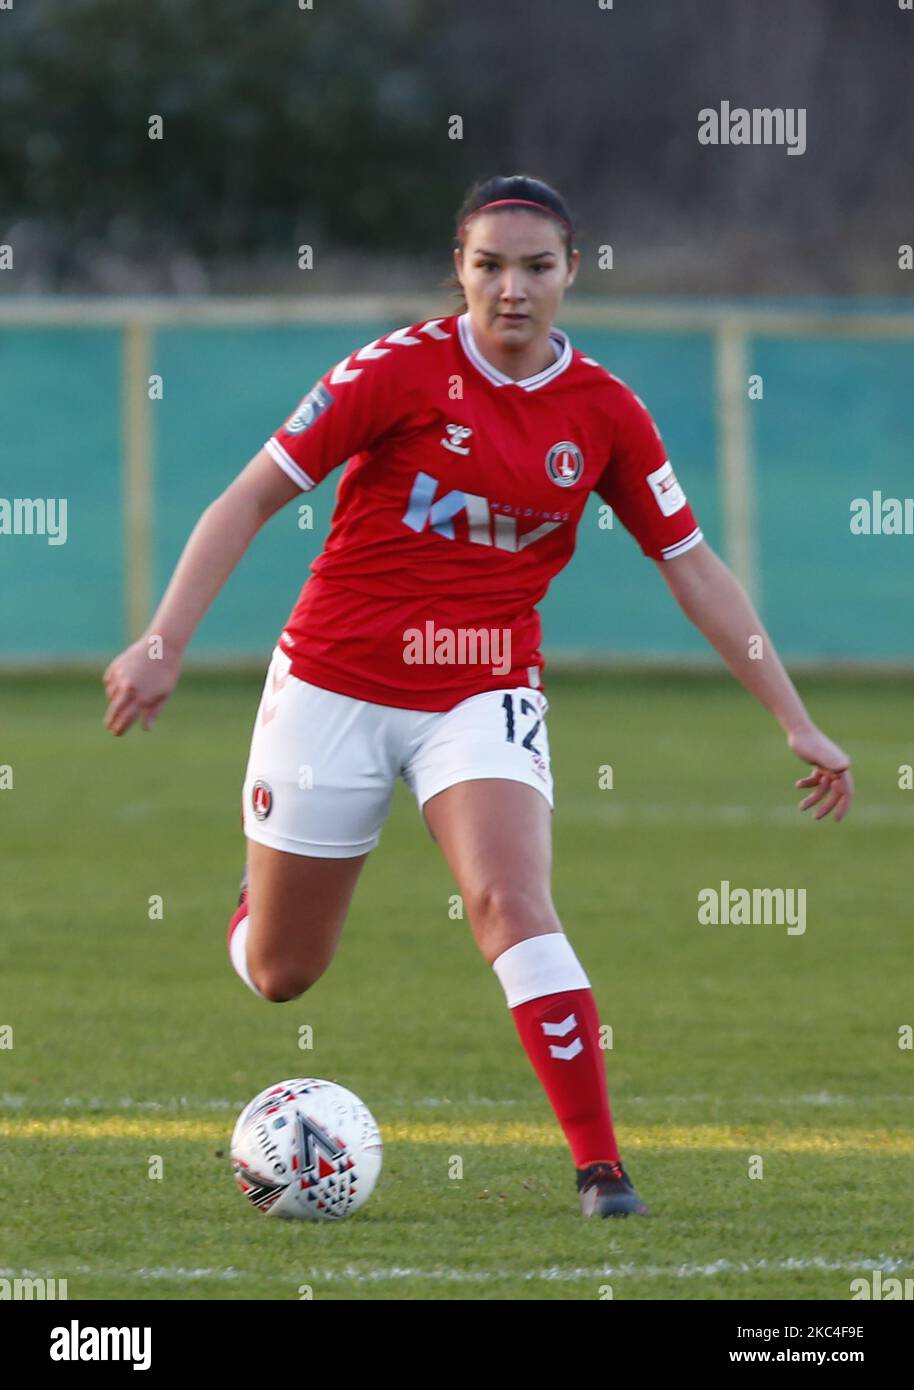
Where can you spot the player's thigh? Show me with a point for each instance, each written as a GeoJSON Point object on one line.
{"type": "Point", "coordinates": [496, 836]}
{"type": "Point", "coordinates": [321, 769]}
{"type": "Point", "coordinates": [297, 907]}
{"type": "Point", "coordinates": [317, 790]}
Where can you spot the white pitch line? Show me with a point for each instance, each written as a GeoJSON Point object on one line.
{"type": "Point", "coordinates": [887, 1264]}
{"type": "Point", "coordinates": [176, 1272]}
{"type": "Point", "coordinates": [816, 1099]}
{"type": "Point", "coordinates": [91, 1103]}
{"type": "Point", "coordinates": [705, 813]}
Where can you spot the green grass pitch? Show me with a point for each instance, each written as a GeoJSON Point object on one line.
{"type": "Point", "coordinates": [133, 1038]}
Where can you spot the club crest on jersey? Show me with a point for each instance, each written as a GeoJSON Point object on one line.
{"type": "Point", "coordinates": [261, 800]}
{"type": "Point", "coordinates": [456, 435]}
{"type": "Point", "coordinates": [564, 463]}
{"type": "Point", "coordinates": [313, 405]}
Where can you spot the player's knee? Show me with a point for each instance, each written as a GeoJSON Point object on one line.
{"type": "Point", "coordinates": [279, 984]}
{"type": "Point", "coordinates": [501, 908]}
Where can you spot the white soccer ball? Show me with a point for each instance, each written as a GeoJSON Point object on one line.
{"type": "Point", "coordinates": [306, 1149]}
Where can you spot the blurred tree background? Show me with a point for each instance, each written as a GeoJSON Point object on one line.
{"type": "Point", "coordinates": [330, 126]}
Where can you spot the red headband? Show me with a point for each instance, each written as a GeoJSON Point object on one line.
{"type": "Point", "coordinates": [515, 202]}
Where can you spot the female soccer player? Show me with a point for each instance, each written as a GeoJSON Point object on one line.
{"type": "Point", "coordinates": [473, 442]}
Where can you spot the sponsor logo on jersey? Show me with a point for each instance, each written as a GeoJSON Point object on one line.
{"type": "Point", "coordinates": [313, 405]}
{"type": "Point", "coordinates": [261, 800]}
{"type": "Point", "coordinates": [564, 463]}
{"type": "Point", "coordinates": [456, 435]}
{"type": "Point", "coordinates": [485, 525]}
{"type": "Point", "coordinates": [668, 495]}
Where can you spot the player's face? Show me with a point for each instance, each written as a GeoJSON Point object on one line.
{"type": "Point", "coordinates": [514, 272]}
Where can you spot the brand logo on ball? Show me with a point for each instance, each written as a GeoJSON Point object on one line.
{"type": "Point", "coordinates": [564, 463]}
{"type": "Point", "coordinates": [306, 1149]}
{"type": "Point", "coordinates": [313, 405]}
{"type": "Point", "coordinates": [261, 800]}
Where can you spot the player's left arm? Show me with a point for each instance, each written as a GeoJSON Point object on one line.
{"type": "Point", "coordinates": [713, 599]}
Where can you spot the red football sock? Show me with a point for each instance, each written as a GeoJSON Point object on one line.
{"type": "Point", "coordinates": [561, 1036]}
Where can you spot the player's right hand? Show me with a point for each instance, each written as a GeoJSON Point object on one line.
{"type": "Point", "coordinates": [137, 683]}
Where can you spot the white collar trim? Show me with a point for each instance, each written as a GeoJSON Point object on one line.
{"type": "Point", "coordinates": [498, 378]}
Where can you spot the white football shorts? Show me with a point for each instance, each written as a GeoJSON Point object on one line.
{"type": "Point", "coordinates": [322, 767]}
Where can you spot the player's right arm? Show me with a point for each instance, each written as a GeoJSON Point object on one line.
{"type": "Point", "coordinates": [346, 410]}
{"type": "Point", "coordinates": [141, 678]}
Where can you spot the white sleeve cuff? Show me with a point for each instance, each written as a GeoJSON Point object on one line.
{"type": "Point", "coordinates": [288, 464]}
{"type": "Point", "coordinates": [680, 547]}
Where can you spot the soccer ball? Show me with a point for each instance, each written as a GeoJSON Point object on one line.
{"type": "Point", "coordinates": [306, 1149]}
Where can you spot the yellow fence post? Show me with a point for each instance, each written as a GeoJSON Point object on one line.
{"type": "Point", "coordinates": [734, 454]}
{"type": "Point", "coordinates": [136, 477]}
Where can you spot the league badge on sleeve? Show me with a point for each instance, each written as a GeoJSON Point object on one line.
{"type": "Point", "coordinates": [313, 405]}
{"type": "Point", "coordinates": [668, 494]}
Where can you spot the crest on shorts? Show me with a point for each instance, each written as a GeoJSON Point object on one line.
{"type": "Point", "coordinates": [261, 800]}
{"type": "Point", "coordinates": [564, 463]}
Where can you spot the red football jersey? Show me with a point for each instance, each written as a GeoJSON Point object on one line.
{"type": "Point", "coordinates": [458, 504]}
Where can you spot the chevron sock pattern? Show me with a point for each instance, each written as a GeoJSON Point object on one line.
{"type": "Point", "coordinates": [561, 1036]}
{"type": "Point", "coordinates": [555, 1014]}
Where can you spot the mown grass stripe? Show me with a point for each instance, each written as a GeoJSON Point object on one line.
{"type": "Point", "coordinates": [493, 1134]}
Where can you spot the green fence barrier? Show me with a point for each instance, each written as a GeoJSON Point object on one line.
{"type": "Point", "coordinates": [834, 424]}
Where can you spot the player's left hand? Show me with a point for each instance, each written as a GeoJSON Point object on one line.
{"type": "Point", "coordinates": [830, 776]}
